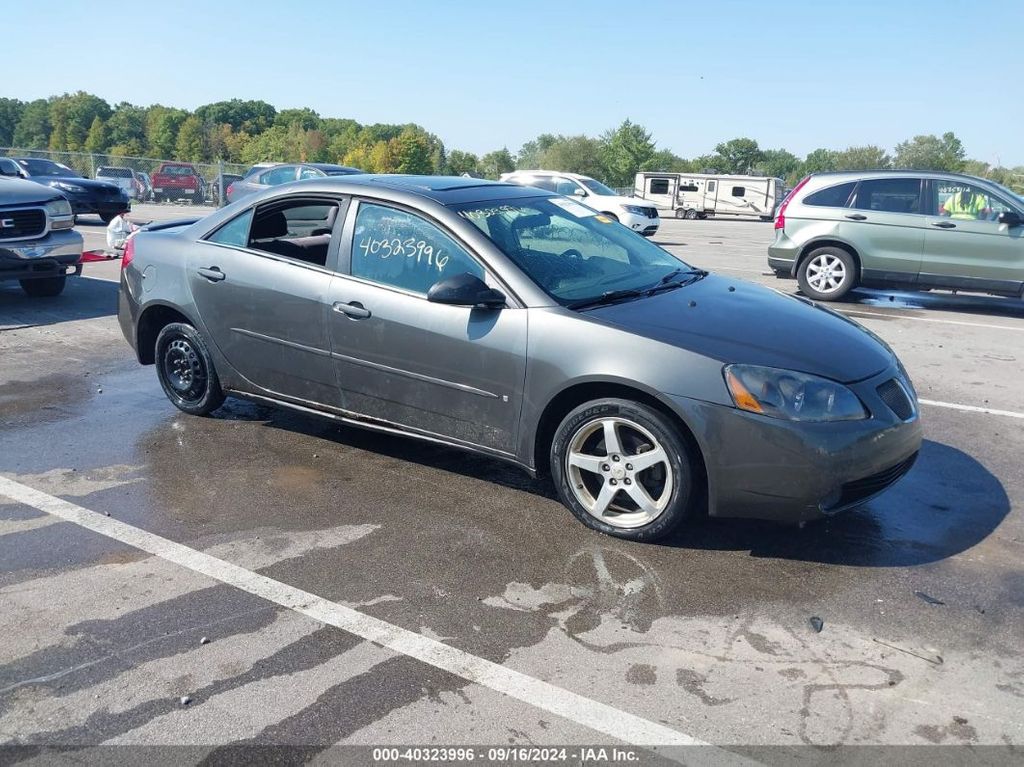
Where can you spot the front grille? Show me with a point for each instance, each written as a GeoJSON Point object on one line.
{"type": "Point", "coordinates": [862, 489]}
{"type": "Point", "coordinates": [16, 224]}
{"type": "Point", "coordinates": [895, 397]}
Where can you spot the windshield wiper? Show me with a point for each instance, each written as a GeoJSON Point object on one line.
{"type": "Point", "coordinates": [669, 281]}
{"type": "Point", "coordinates": [608, 297]}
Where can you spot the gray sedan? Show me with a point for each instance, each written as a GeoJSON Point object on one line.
{"type": "Point", "coordinates": [283, 174]}
{"type": "Point", "coordinates": [522, 325]}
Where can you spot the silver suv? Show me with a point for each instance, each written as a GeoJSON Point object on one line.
{"type": "Point", "coordinates": [910, 230]}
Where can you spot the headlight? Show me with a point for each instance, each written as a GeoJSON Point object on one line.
{"type": "Point", "coordinates": [636, 210]}
{"type": "Point", "coordinates": [59, 212]}
{"type": "Point", "coordinates": [790, 395]}
{"type": "Point", "coordinates": [73, 188]}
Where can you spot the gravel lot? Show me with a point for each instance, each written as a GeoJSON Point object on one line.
{"type": "Point", "coordinates": [709, 638]}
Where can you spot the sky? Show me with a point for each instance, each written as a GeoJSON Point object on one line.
{"type": "Point", "coordinates": [487, 74]}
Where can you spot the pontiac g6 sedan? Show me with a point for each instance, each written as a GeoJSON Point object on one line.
{"type": "Point", "coordinates": [517, 323]}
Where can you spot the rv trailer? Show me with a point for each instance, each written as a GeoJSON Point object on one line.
{"type": "Point", "coordinates": [699, 195]}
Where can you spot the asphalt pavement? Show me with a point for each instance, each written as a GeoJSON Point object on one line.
{"type": "Point", "coordinates": [261, 577]}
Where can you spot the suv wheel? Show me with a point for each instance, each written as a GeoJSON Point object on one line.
{"type": "Point", "coordinates": [45, 287]}
{"type": "Point", "coordinates": [827, 274]}
{"type": "Point", "coordinates": [186, 371]}
{"type": "Point", "coordinates": [691, 214]}
{"type": "Point", "coordinates": [623, 468]}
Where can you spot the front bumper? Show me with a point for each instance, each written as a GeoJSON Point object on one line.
{"type": "Point", "coordinates": [106, 206]}
{"type": "Point", "coordinates": [56, 254]}
{"type": "Point", "coordinates": [640, 224]}
{"type": "Point", "coordinates": [766, 468]}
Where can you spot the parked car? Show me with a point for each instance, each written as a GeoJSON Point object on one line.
{"type": "Point", "coordinates": [121, 177]}
{"type": "Point", "coordinates": [909, 230]}
{"type": "Point", "coordinates": [522, 325]}
{"type": "Point", "coordinates": [146, 186]}
{"type": "Point", "coordinates": [178, 181]}
{"type": "Point", "coordinates": [282, 174]}
{"type": "Point", "coordinates": [639, 215]}
{"type": "Point", "coordinates": [38, 246]}
{"type": "Point", "coordinates": [85, 195]}
{"type": "Point", "coordinates": [227, 180]}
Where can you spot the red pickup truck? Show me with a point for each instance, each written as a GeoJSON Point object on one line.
{"type": "Point", "coordinates": [176, 181]}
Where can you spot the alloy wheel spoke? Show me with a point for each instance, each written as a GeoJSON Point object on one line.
{"type": "Point", "coordinates": [591, 463]}
{"type": "Point", "coordinates": [611, 437]}
{"type": "Point", "coordinates": [642, 498]}
{"type": "Point", "coordinates": [605, 497]}
{"type": "Point", "coordinates": [648, 459]}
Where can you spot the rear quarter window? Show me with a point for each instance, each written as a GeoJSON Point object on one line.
{"type": "Point", "coordinates": [831, 197]}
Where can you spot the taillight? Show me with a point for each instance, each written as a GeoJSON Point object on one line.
{"type": "Point", "coordinates": [129, 252]}
{"type": "Point", "coordinates": [780, 219]}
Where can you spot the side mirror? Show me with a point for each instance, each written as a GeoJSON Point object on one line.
{"type": "Point", "coordinates": [1010, 218]}
{"type": "Point", "coordinates": [465, 290]}
{"type": "Point", "coordinates": [577, 192]}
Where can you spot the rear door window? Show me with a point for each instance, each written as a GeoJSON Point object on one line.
{"type": "Point", "coordinates": [831, 197]}
{"type": "Point", "coordinates": [889, 195]}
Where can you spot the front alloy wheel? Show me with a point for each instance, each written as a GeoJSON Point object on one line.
{"type": "Point", "coordinates": [622, 468]}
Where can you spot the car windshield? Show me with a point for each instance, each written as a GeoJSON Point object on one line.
{"type": "Point", "coordinates": [574, 254]}
{"type": "Point", "coordinates": [177, 170]}
{"type": "Point", "coordinates": [115, 172]}
{"type": "Point", "coordinates": [597, 187]}
{"type": "Point", "coordinates": [48, 168]}
{"type": "Point", "coordinates": [1015, 196]}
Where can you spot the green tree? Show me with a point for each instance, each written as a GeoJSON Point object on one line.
{"type": "Point", "coordinates": [493, 164]}
{"type": "Point", "coordinates": [96, 140]}
{"type": "Point", "coordinates": [819, 161]}
{"type": "Point", "coordinates": [243, 116]}
{"type": "Point", "coordinates": [71, 116]}
{"type": "Point", "coordinates": [868, 157]}
{"type": "Point", "coordinates": [413, 152]}
{"type": "Point", "coordinates": [11, 111]}
{"type": "Point", "coordinates": [931, 153]}
{"type": "Point", "coordinates": [575, 154]}
{"type": "Point", "coordinates": [162, 125]}
{"type": "Point", "coordinates": [460, 162]}
{"type": "Point", "coordinates": [306, 117]}
{"type": "Point", "coordinates": [739, 155]}
{"type": "Point", "coordinates": [668, 161]}
{"type": "Point", "coordinates": [778, 163]}
{"type": "Point", "coordinates": [127, 126]}
{"type": "Point", "coordinates": [531, 154]}
{"type": "Point", "coordinates": [625, 150]}
{"type": "Point", "coordinates": [190, 143]}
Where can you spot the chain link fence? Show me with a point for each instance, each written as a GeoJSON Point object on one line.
{"type": "Point", "coordinates": [134, 174]}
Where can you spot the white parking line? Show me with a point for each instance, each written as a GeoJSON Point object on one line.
{"type": "Point", "coordinates": [971, 408]}
{"type": "Point", "coordinates": [898, 316]}
{"type": "Point", "coordinates": [600, 717]}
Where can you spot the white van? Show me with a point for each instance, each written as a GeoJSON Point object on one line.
{"type": "Point", "coordinates": [699, 195]}
{"type": "Point", "coordinates": [640, 217]}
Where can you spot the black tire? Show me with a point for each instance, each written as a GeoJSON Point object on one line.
{"type": "Point", "coordinates": [158, 198]}
{"type": "Point", "coordinates": [44, 287]}
{"type": "Point", "coordinates": [824, 266]}
{"type": "Point", "coordinates": [690, 214]}
{"type": "Point", "coordinates": [198, 198]}
{"type": "Point", "coordinates": [674, 475]}
{"type": "Point", "coordinates": [186, 371]}
{"type": "Point", "coordinates": [106, 218]}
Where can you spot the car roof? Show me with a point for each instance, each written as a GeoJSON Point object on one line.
{"type": "Point", "coordinates": [854, 174]}
{"type": "Point", "coordinates": [548, 173]}
{"type": "Point", "coordinates": [446, 190]}
{"type": "Point", "coordinates": [325, 166]}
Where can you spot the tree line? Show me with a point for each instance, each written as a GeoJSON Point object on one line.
{"type": "Point", "coordinates": [251, 131]}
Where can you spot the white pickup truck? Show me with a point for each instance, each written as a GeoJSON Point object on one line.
{"type": "Point", "coordinates": [38, 246]}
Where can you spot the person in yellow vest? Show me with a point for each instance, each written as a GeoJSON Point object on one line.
{"type": "Point", "coordinates": [965, 204]}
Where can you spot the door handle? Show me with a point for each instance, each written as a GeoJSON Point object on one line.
{"type": "Point", "coordinates": [355, 310]}
{"type": "Point", "coordinates": [212, 273]}
{"type": "Point", "coordinates": [856, 217]}
{"type": "Point", "coordinates": [944, 224]}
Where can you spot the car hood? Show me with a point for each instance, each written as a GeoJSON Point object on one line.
{"type": "Point", "coordinates": [85, 183]}
{"type": "Point", "coordinates": [604, 201]}
{"type": "Point", "coordinates": [734, 321]}
{"type": "Point", "coordinates": [16, 191]}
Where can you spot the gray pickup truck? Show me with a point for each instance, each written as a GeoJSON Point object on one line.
{"type": "Point", "coordinates": [38, 246]}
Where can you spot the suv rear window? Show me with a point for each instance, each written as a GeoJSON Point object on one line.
{"type": "Point", "coordinates": [831, 197]}
{"type": "Point", "coordinates": [177, 170]}
{"type": "Point", "coordinates": [889, 195]}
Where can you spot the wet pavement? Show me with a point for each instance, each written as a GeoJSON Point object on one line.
{"type": "Point", "coordinates": [919, 595]}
